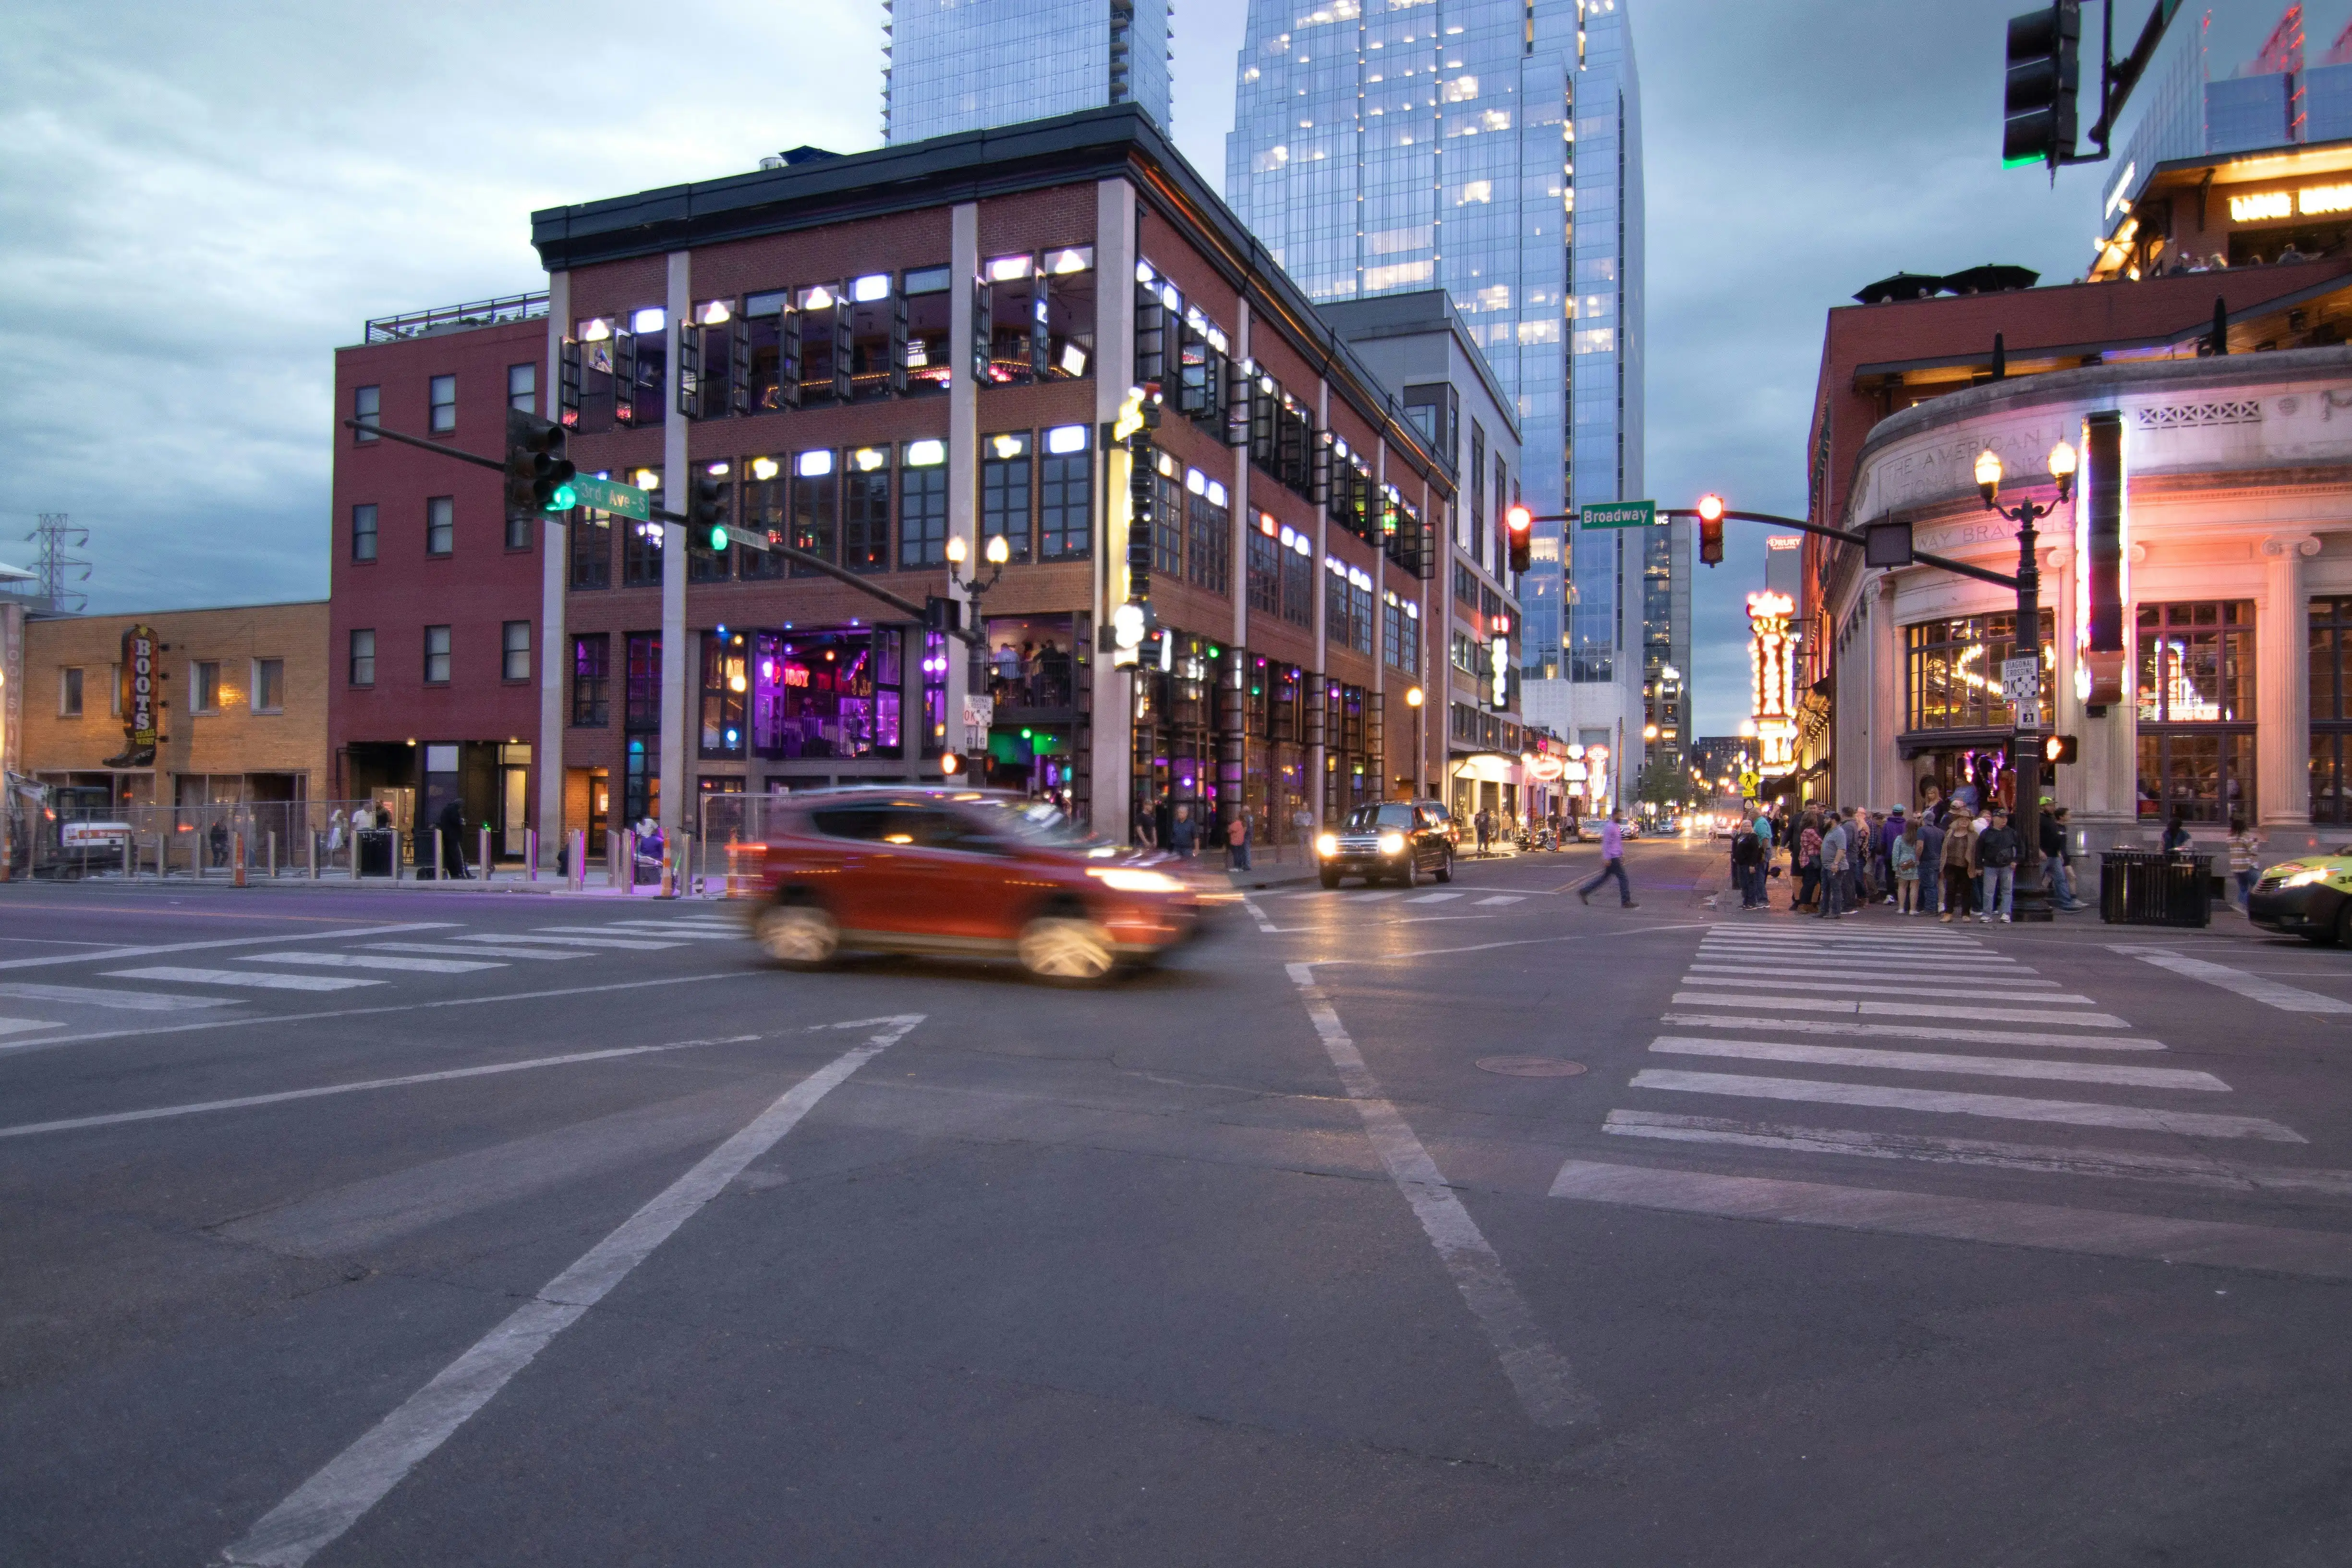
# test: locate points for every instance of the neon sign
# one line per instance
(1772, 692)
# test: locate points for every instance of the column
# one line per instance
(1319, 738)
(1113, 770)
(963, 447)
(1880, 765)
(678, 658)
(2283, 685)
(555, 542)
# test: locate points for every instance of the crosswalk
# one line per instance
(1864, 1017)
(1380, 895)
(227, 980)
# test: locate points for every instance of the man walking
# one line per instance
(1612, 862)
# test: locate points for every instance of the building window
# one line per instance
(1167, 518)
(522, 388)
(204, 687)
(1434, 409)
(873, 338)
(923, 505)
(590, 545)
(1265, 566)
(1063, 302)
(1955, 670)
(363, 533)
(443, 404)
(69, 693)
(519, 530)
(1465, 585)
(866, 509)
(367, 408)
(641, 544)
(725, 686)
(591, 672)
(763, 329)
(1210, 524)
(440, 525)
(1004, 305)
(823, 315)
(268, 686)
(514, 651)
(2196, 709)
(2331, 710)
(762, 493)
(1298, 578)
(1005, 464)
(1065, 495)
(816, 509)
(1464, 653)
(643, 696)
(436, 656)
(706, 565)
(930, 298)
(362, 668)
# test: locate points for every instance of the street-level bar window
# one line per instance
(205, 685)
(367, 408)
(922, 505)
(866, 509)
(1005, 467)
(2195, 702)
(436, 656)
(2331, 710)
(69, 693)
(1955, 670)
(268, 686)
(440, 525)
(815, 508)
(444, 394)
(522, 387)
(1065, 495)
(362, 658)
(514, 651)
(591, 680)
(929, 298)
(726, 687)
(363, 533)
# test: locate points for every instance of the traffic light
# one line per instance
(707, 531)
(2057, 749)
(1710, 529)
(1519, 526)
(539, 476)
(2038, 102)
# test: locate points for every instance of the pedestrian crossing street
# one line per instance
(223, 979)
(1934, 1038)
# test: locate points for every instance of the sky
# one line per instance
(198, 204)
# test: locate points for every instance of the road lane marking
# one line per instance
(250, 981)
(1873, 1009)
(2271, 992)
(1747, 972)
(632, 945)
(1512, 941)
(1886, 1031)
(1755, 954)
(2119, 1164)
(102, 996)
(52, 960)
(637, 928)
(1504, 898)
(1954, 1102)
(544, 954)
(19, 1026)
(1438, 899)
(371, 961)
(1941, 1061)
(1371, 897)
(1539, 1373)
(323, 1507)
(2325, 1255)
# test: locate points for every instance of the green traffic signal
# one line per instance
(564, 499)
(718, 537)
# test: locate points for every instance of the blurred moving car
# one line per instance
(2307, 897)
(1395, 840)
(960, 872)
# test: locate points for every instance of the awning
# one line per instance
(1926, 743)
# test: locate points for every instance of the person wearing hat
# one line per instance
(1959, 866)
(1996, 849)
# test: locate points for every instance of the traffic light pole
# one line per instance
(907, 607)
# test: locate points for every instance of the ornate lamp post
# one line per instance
(2032, 901)
(998, 552)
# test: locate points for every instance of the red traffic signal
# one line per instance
(1519, 527)
(1710, 529)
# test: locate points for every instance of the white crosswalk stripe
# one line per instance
(1503, 899)
(1939, 1061)
(373, 961)
(1954, 1102)
(543, 954)
(1703, 976)
(19, 1026)
(103, 997)
(251, 980)
(1952, 963)
(630, 943)
(1889, 1030)
(1432, 898)
(652, 927)
(1875, 1009)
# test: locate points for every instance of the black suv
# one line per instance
(1397, 838)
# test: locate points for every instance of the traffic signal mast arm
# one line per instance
(911, 610)
(1999, 579)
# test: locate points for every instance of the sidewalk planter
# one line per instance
(2147, 888)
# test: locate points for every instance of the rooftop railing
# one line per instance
(447, 318)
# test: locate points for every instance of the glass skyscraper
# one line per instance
(963, 65)
(1493, 147)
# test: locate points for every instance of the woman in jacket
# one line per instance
(1960, 866)
(1904, 855)
(1809, 863)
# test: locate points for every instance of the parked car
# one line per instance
(962, 873)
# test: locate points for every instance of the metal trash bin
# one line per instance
(375, 847)
(2149, 887)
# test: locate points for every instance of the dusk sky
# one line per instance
(199, 203)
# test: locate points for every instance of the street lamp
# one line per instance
(1414, 699)
(998, 552)
(2032, 902)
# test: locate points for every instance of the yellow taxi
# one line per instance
(2310, 897)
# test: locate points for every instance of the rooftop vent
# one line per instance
(792, 156)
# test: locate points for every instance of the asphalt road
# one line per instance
(373, 1227)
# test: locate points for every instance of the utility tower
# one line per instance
(58, 536)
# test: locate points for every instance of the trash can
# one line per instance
(375, 851)
(2148, 887)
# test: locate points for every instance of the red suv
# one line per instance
(980, 873)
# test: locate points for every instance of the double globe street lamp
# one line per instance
(2031, 899)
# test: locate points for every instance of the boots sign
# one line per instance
(140, 676)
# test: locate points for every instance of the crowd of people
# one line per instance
(1954, 859)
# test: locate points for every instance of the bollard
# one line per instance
(629, 864)
(314, 836)
(579, 861)
(485, 856)
(273, 855)
(236, 859)
(531, 854)
(439, 859)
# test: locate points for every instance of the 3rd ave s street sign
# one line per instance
(621, 501)
(1617, 514)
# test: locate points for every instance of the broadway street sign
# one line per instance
(1618, 514)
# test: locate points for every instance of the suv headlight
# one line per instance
(1392, 843)
(1326, 844)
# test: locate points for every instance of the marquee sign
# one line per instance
(1772, 692)
(138, 697)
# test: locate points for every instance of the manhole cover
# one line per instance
(1531, 1067)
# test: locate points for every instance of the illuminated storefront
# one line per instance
(1772, 681)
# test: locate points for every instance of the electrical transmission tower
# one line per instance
(58, 536)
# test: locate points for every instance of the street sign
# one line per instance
(2021, 680)
(978, 716)
(621, 501)
(749, 539)
(1617, 514)
(94, 834)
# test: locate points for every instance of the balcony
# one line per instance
(457, 318)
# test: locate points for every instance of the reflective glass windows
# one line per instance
(1066, 494)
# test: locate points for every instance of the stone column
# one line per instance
(554, 577)
(963, 451)
(2283, 685)
(681, 661)
(1111, 779)
(1881, 768)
